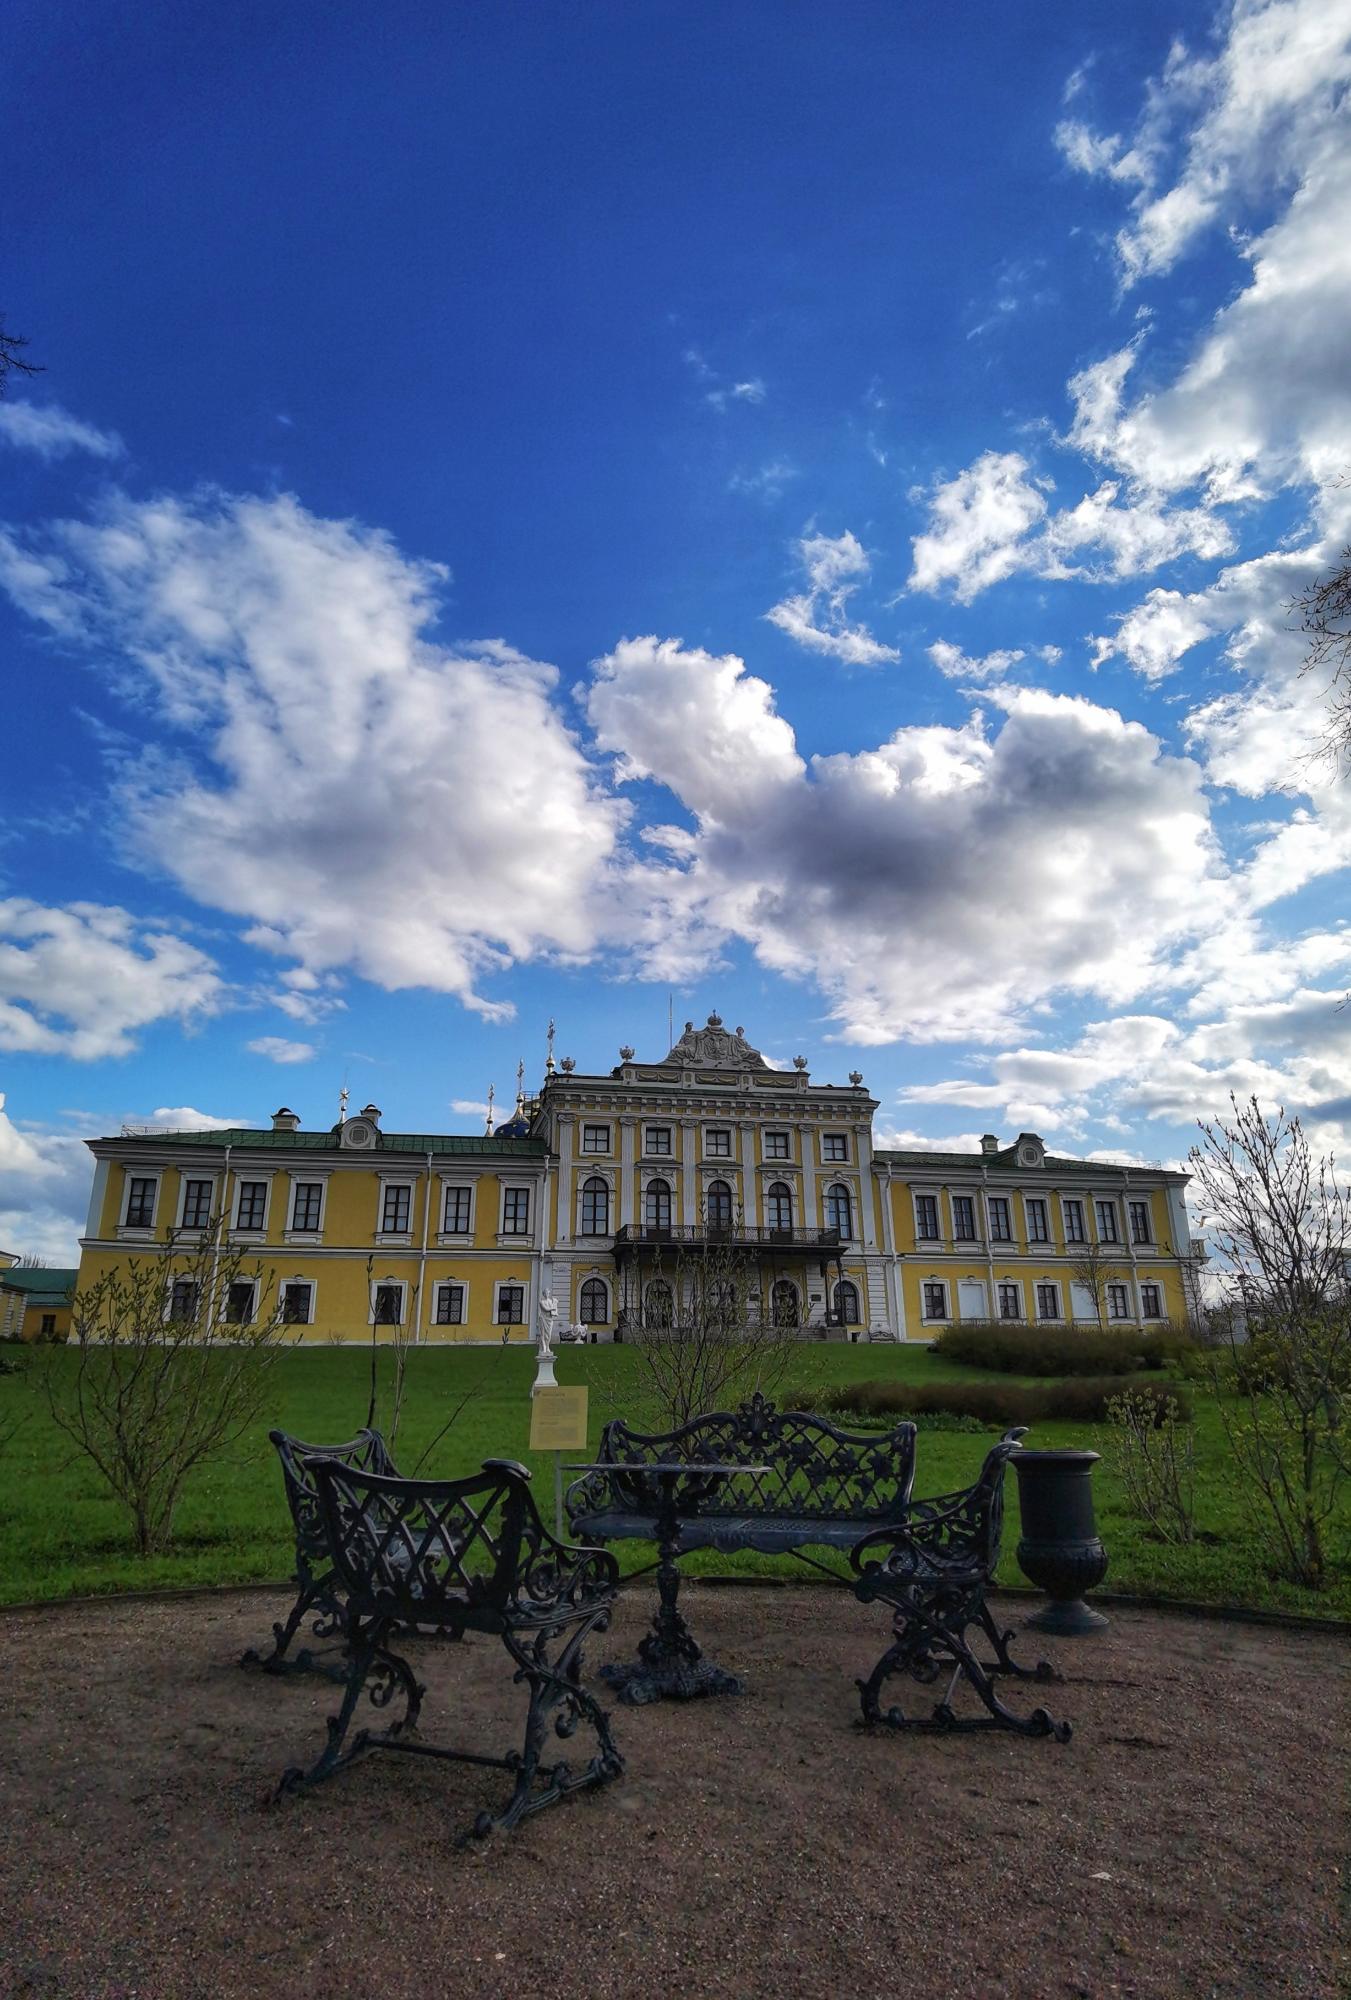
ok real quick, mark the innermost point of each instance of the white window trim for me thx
(212, 1178)
(595, 1278)
(454, 1184)
(855, 1218)
(520, 1285)
(966, 1194)
(646, 1179)
(179, 1278)
(1117, 1242)
(387, 1181)
(383, 1284)
(706, 1149)
(776, 1159)
(826, 1159)
(224, 1302)
(859, 1294)
(436, 1285)
(298, 1278)
(933, 1195)
(1054, 1286)
(926, 1318)
(1016, 1285)
(607, 1174)
(140, 1228)
(252, 1234)
(990, 1236)
(1086, 1206)
(605, 1152)
(1139, 1243)
(649, 1152)
(1122, 1318)
(1153, 1284)
(1045, 1200)
(531, 1194)
(294, 1235)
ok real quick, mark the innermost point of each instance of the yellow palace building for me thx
(603, 1189)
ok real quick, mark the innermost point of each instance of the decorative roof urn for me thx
(1060, 1549)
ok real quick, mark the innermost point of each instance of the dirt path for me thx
(1190, 1841)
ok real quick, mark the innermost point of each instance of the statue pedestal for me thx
(544, 1372)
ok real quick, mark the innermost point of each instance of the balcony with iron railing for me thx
(636, 1239)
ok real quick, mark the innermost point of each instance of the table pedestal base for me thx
(668, 1680)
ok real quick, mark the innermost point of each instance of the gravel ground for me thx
(1190, 1841)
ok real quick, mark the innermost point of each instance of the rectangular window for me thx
(395, 1210)
(1048, 1302)
(516, 1212)
(196, 1204)
(926, 1217)
(1074, 1222)
(48, 1323)
(1001, 1227)
(239, 1304)
(450, 1305)
(511, 1305)
(183, 1299)
(1151, 1301)
(935, 1301)
(964, 1218)
(776, 1145)
(306, 1204)
(834, 1146)
(595, 1138)
(1117, 1307)
(1038, 1228)
(1010, 1306)
(252, 1205)
(141, 1204)
(389, 1305)
(658, 1140)
(1107, 1227)
(296, 1299)
(718, 1144)
(1140, 1230)
(455, 1218)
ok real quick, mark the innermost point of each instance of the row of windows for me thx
(389, 1302)
(719, 1210)
(785, 1302)
(1116, 1299)
(659, 1142)
(1036, 1210)
(307, 1207)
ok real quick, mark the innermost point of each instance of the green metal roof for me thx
(15, 1278)
(929, 1162)
(327, 1142)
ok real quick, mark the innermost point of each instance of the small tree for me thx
(1281, 1223)
(703, 1336)
(1094, 1268)
(162, 1383)
(1155, 1454)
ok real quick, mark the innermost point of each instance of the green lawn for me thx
(62, 1534)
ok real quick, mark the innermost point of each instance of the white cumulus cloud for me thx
(51, 432)
(818, 618)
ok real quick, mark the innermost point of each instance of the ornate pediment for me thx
(713, 1047)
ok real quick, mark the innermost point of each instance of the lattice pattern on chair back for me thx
(974, 1520)
(426, 1551)
(366, 1452)
(813, 1470)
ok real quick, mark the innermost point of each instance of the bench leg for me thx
(930, 1638)
(327, 1626)
(367, 1656)
(1002, 1663)
(556, 1692)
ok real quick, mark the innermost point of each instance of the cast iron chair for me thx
(319, 1588)
(938, 1565)
(447, 1556)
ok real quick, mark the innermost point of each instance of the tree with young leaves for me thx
(1280, 1220)
(1325, 618)
(169, 1366)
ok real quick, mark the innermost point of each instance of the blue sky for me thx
(546, 512)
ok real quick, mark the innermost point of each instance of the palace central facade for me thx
(603, 1189)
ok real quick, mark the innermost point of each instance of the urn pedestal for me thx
(1060, 1549)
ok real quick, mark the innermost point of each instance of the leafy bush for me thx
(1154, 1449)
(1080, 1400)
(826, 1402)
(1011, 1348)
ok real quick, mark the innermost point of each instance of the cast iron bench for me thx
(319, 1589)
(442, 1557)
(934, 1570)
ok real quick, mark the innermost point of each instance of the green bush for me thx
(826, 1402)
(1010, 1348)
(1082, 1399)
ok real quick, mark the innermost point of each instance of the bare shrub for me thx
(1154, 1450)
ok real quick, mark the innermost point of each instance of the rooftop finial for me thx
(342, 1105)
(549, 1058)
(488, 1124)
(520, 1088)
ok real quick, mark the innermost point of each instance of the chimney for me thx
(285, 1120)
(989, 1143)
(372, 1111)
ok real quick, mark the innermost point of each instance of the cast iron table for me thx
(670, 1661)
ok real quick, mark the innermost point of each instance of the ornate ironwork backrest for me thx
(426, 1551)
(967, 1527)
(813, 1469)
(366, 1452)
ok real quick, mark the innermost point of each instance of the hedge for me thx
(1014, 1349)
(1081, 1399)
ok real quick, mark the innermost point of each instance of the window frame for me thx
(510, 1196)
(249, 1285)
(963, 1204)
(1105, 1205)
(1151, 1285)
(289, 1285)
(772, 1140)
(659, 1152)
(839, 1193)
(292, 1227)
(1002, 1203)
(654, 1190)
(586, 1193)
(199, 1181)
(778, 1192)
(831, 1139)
(177, 1284)
(922, 1203)
(500, 1289)
(380, 1286)
(589, 1131)
(714, 1148)
(1037, 1215)
(457, 1189)
(152, 1181)
(1071, 1204)
(243, 1228)
(1009, 1285)
(394, 1188)
(718, 1222)
(1136, 1209)
(1049, 1285)
(456, 1291)
(1117, 1291)
(842, 1285)
(588, 1287)
(928, 1287)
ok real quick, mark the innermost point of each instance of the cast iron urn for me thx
(1060, 1549)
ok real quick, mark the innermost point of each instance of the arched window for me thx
(779, 1206)
(719, 1204)
(595, 1207)
(658, 1307)
(783, 1303)
(846, 1303)
(838, 1209)
(657, 1205)
(594, 1303)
